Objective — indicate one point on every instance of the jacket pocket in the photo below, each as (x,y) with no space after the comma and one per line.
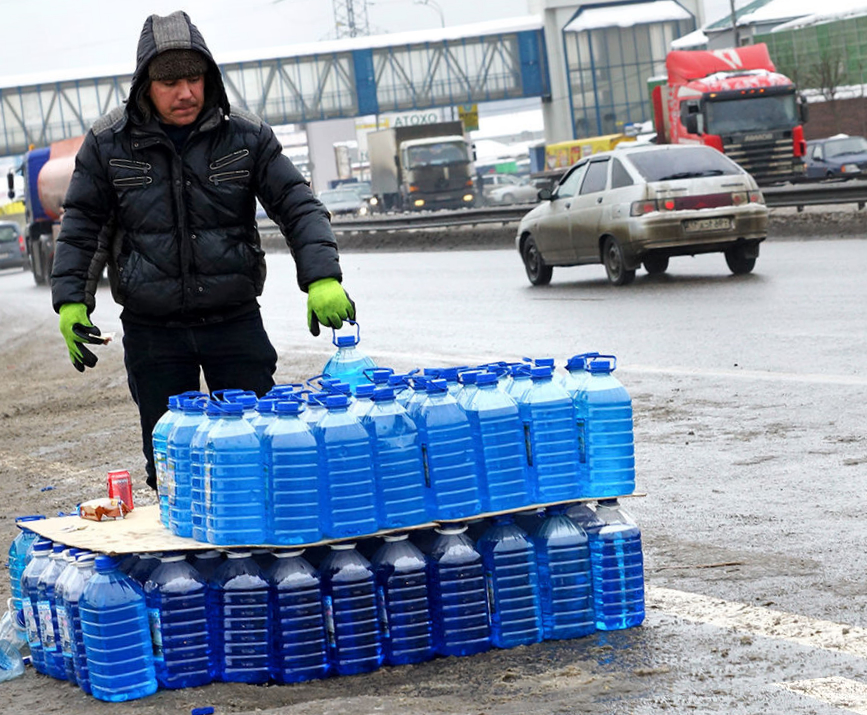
(132,181)
(141,166)
(227,176)
(224,161)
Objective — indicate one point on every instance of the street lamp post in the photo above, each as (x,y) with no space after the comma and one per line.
(434,6)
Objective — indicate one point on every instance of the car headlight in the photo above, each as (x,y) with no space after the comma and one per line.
(373,201)
(850,169)
(362,211)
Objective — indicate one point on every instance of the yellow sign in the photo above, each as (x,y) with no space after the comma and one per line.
(469,114)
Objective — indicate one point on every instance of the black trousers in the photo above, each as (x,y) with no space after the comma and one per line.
(161,362)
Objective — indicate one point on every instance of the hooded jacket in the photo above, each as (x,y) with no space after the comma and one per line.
(178,229)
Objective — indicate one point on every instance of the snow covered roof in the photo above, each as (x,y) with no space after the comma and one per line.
(593,18)
(696,38)
(786,10)
(858,9)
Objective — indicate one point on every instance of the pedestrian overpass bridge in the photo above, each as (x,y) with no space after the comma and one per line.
(359,76)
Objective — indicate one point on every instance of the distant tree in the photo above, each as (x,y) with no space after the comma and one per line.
(828,72)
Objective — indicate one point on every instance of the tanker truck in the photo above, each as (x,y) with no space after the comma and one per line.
(47,172)
(735,101)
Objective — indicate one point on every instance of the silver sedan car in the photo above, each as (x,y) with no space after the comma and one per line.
(642,205)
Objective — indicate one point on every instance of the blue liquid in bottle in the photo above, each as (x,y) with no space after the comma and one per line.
(46,612)
(458,595)
(144,567)
(397,462)
(497,433)
(72,639)
(63,634)
(509,558)
(234,481)
(175,595)
(349,602)
(19,556)
(291,477)
(604,415)
(178,461)
(348,504)
(565,582)
(30,600)
(117,639)
(264,415)
(298,642)
(576,373)
(349,363)
(363,401)
(401,593)
(213,412)
(240,623)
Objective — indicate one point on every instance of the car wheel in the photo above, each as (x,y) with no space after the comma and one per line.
(508,199)
(538,273)
(615,264)
(655,264)
(737,260)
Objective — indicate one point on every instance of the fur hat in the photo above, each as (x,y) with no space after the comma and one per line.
(177,64)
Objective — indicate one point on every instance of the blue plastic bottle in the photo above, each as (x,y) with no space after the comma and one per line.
(46,612)
(363,401)
(213,412)
(565,583)
(513,587)
(30,598)
(175,595)
(550,439)
(618,567)
(576,373)
(144,567)
(467,381)
(401,593)
(348,363)
(314,407)
(206,564)
(240,624)
(72,639)
(349,602)
(19,556)
(397,462)
(117,639)
(497,432)
(603,411)
(178,461)
(63,634)
(348,491)
(298,644)
(234,481)
(452,488)
(291,463)
(264,415)
(457,594)
(519,381)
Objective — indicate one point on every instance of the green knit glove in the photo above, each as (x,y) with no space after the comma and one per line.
(76,328)
(329,304)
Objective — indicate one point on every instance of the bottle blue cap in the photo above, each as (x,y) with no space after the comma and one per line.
(336,401)
(232,408)
(266,404)
(346,341)
(288,407)
(43,545)
(213,409)
(544,362)
(603,366)
(365,389)
(343,388)
(540,373)
(438,386)
(383,394)
(105,563)
(486,378)
(468,377)
(380,374)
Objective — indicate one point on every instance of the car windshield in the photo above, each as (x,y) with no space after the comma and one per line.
(732,116)
(851,145)
(338,197)
(670,164)
(8,234)
(437,154)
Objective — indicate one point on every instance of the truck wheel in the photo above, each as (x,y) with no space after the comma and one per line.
(655,264)
(38,264)
(737,260)
(538,273)
(615,264)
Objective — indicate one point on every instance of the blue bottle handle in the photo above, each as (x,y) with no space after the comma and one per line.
(357,332)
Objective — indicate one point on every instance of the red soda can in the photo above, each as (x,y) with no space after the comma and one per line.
(120,486)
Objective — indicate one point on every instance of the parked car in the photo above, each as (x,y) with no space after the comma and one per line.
(512,190)
(344,202)
(644,204)
(838,157)
(13,251)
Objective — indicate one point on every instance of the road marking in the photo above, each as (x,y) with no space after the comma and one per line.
(839,692)
(759,621)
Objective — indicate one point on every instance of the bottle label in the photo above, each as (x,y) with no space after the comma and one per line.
(156,632)
(328,608)
(46,626)
(425,465)
(170,480)
(64,630)
(207,487)
(160,467)
(528,444)
(382,611)
(30,622)
(582,442)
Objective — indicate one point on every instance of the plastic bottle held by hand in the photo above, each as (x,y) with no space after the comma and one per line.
(513,587)
(116,634)
(603,411)
(19,555)
(30,598)
(348,363)
(299,650)
(72,640)
(349,602)
(401,594)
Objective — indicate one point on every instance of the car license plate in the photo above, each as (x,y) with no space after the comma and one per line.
(707,224)
(5,255)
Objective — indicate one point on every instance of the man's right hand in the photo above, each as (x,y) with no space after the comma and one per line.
(76,328)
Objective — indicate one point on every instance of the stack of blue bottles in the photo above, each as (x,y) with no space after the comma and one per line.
(71,638)
(498,437)
(30,599)
(457,594)
(349,598)
(404,612)
(604,415)
(617,564)
(298,642)
(239,620)
(199,441)
(178,460)
(348,501)
(46,612)
(117,638)
(20,551)
(348,363)
(452,490)
(397,463)
(509,558)
(175,595)
(234,481)
(291,464)
(565,583)
(551,439)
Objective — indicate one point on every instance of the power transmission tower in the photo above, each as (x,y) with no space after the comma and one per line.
(350,18)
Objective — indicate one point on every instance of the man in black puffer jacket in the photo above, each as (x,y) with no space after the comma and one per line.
(164,191)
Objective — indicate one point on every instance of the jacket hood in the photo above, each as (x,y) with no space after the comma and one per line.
(172,32)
